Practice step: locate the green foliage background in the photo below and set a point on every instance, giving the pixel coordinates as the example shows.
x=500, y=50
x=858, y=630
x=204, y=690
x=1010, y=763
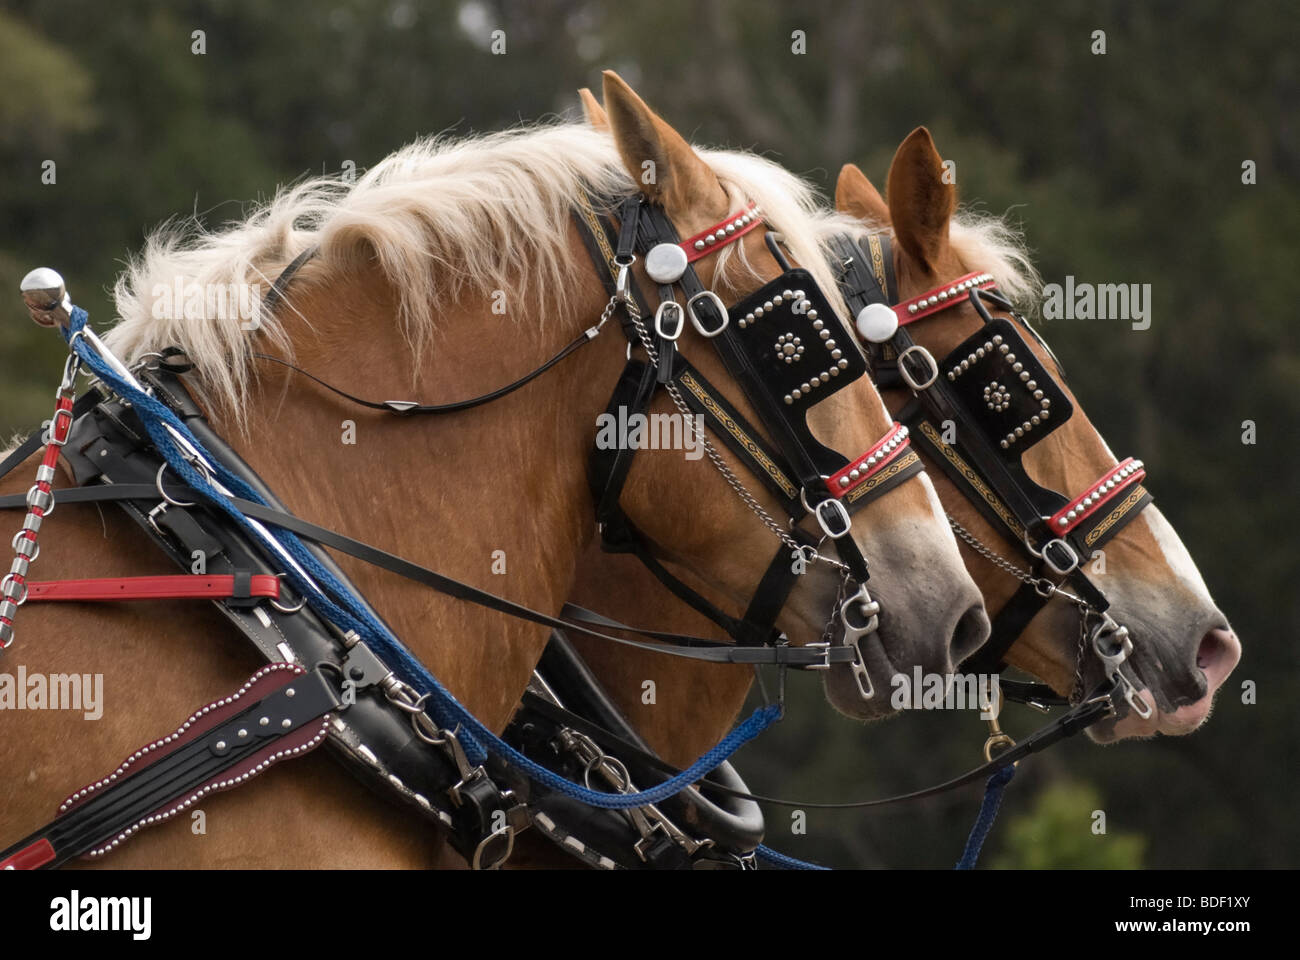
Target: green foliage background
x=1123, y=168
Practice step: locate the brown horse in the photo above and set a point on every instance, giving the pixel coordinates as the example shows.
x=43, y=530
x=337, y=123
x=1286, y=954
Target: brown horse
x=415, y=262
x=1184, y=647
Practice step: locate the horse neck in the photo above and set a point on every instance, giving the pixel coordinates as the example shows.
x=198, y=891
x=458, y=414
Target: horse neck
x=471, y=494
x=680, y=707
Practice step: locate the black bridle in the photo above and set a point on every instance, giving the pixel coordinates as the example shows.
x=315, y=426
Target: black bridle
x=997, y=399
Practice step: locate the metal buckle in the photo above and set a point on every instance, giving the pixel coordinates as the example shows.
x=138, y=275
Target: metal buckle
x=1059, y=543
x=51, y=436
x=1043, y=554
x=665, y=307
x=907, y=374
x=695, y=320
x=837, y=513
x=825, y=647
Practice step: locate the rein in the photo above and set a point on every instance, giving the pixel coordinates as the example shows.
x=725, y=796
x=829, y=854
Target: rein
x=136, y=424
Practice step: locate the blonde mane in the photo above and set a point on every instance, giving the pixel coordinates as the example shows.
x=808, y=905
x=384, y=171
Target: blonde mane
x=446, y=218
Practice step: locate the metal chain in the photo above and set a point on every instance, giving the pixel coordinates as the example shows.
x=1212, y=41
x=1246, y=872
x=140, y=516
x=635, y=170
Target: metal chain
x=1024, y=576
x=806, y=550
x=40, y=504
x=1076, y=693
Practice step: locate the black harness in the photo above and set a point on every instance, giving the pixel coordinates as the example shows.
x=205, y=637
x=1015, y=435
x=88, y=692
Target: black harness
x=975, y=413
x=326, y=683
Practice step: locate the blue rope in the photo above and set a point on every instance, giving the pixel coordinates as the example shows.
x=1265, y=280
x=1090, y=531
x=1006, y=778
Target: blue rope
x=988, y=813
x=779, y=860
x=344, y=609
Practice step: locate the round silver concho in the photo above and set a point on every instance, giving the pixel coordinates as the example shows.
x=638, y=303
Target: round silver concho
x=877, y=322
x=665, y=263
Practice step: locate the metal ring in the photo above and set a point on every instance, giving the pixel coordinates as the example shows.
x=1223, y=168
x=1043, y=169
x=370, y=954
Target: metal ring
x=44, y=500
x=619, y=766
x=36, y=546
x=997, y=740
x=4, y=590
x=163, y=493
x=275, y=602
x=695, y=321
x=906, y=374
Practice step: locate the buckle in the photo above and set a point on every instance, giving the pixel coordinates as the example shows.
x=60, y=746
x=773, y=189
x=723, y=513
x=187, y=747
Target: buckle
x=831, y=515
x=666, y=307
x=695, y=318
x=1060, y=556
x=825, y=647
x=906, y=374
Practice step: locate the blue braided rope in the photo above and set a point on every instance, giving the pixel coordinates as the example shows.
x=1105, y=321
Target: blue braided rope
x=779, y=860
x=988, y=813
x=344, y=609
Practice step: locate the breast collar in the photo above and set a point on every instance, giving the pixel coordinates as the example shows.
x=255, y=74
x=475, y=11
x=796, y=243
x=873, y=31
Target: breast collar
x=997, y=399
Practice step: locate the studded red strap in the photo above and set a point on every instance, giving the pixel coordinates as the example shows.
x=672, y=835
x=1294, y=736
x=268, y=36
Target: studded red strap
x=940, y=298
x=888, y=449
x=721, y=233
x=177, y=587
x=1116, y=479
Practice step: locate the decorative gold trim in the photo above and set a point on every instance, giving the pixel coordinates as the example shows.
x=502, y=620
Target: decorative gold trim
x=973, y=478
x=733, y=428
x=1114, y=516
x=892, y=470
x=598, y=231
x=877, y=261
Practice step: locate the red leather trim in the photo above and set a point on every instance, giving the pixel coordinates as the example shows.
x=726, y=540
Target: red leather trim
x=693, y=254
x=177, y=587
x=29, y=857
x=948, y=295
x=263, y=683
x=843, y=482
x=303, y=740
x=1123, y=476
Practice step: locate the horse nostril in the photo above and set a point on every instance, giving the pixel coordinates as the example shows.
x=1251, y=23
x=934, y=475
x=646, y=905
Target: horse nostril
x=971, y=631
x=1217, y=655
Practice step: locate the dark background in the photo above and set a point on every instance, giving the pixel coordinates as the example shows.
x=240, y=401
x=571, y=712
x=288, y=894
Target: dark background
x=1123, y=168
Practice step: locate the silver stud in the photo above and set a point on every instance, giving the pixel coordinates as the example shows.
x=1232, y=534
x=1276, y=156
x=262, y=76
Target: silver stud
x=699, y=244
x=844, y=481
x=788, y=398
x=854, y=474
x=911, y=308
x=812, y=315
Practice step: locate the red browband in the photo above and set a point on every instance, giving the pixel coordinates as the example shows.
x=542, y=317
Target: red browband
x=870, y=463
x=1118, y=478
x=940, y=298
x=722, y=233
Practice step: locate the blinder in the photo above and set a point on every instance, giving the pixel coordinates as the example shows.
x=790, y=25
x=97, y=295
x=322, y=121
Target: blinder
x=1002, y=400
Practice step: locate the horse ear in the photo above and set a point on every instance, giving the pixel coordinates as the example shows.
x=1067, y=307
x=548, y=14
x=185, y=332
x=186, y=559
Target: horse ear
x=858, y=197
x=592, y=110
x=662, y=164
x=920, y=203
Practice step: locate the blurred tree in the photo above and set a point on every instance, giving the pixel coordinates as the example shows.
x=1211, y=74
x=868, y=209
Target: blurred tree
x=1058, y=835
